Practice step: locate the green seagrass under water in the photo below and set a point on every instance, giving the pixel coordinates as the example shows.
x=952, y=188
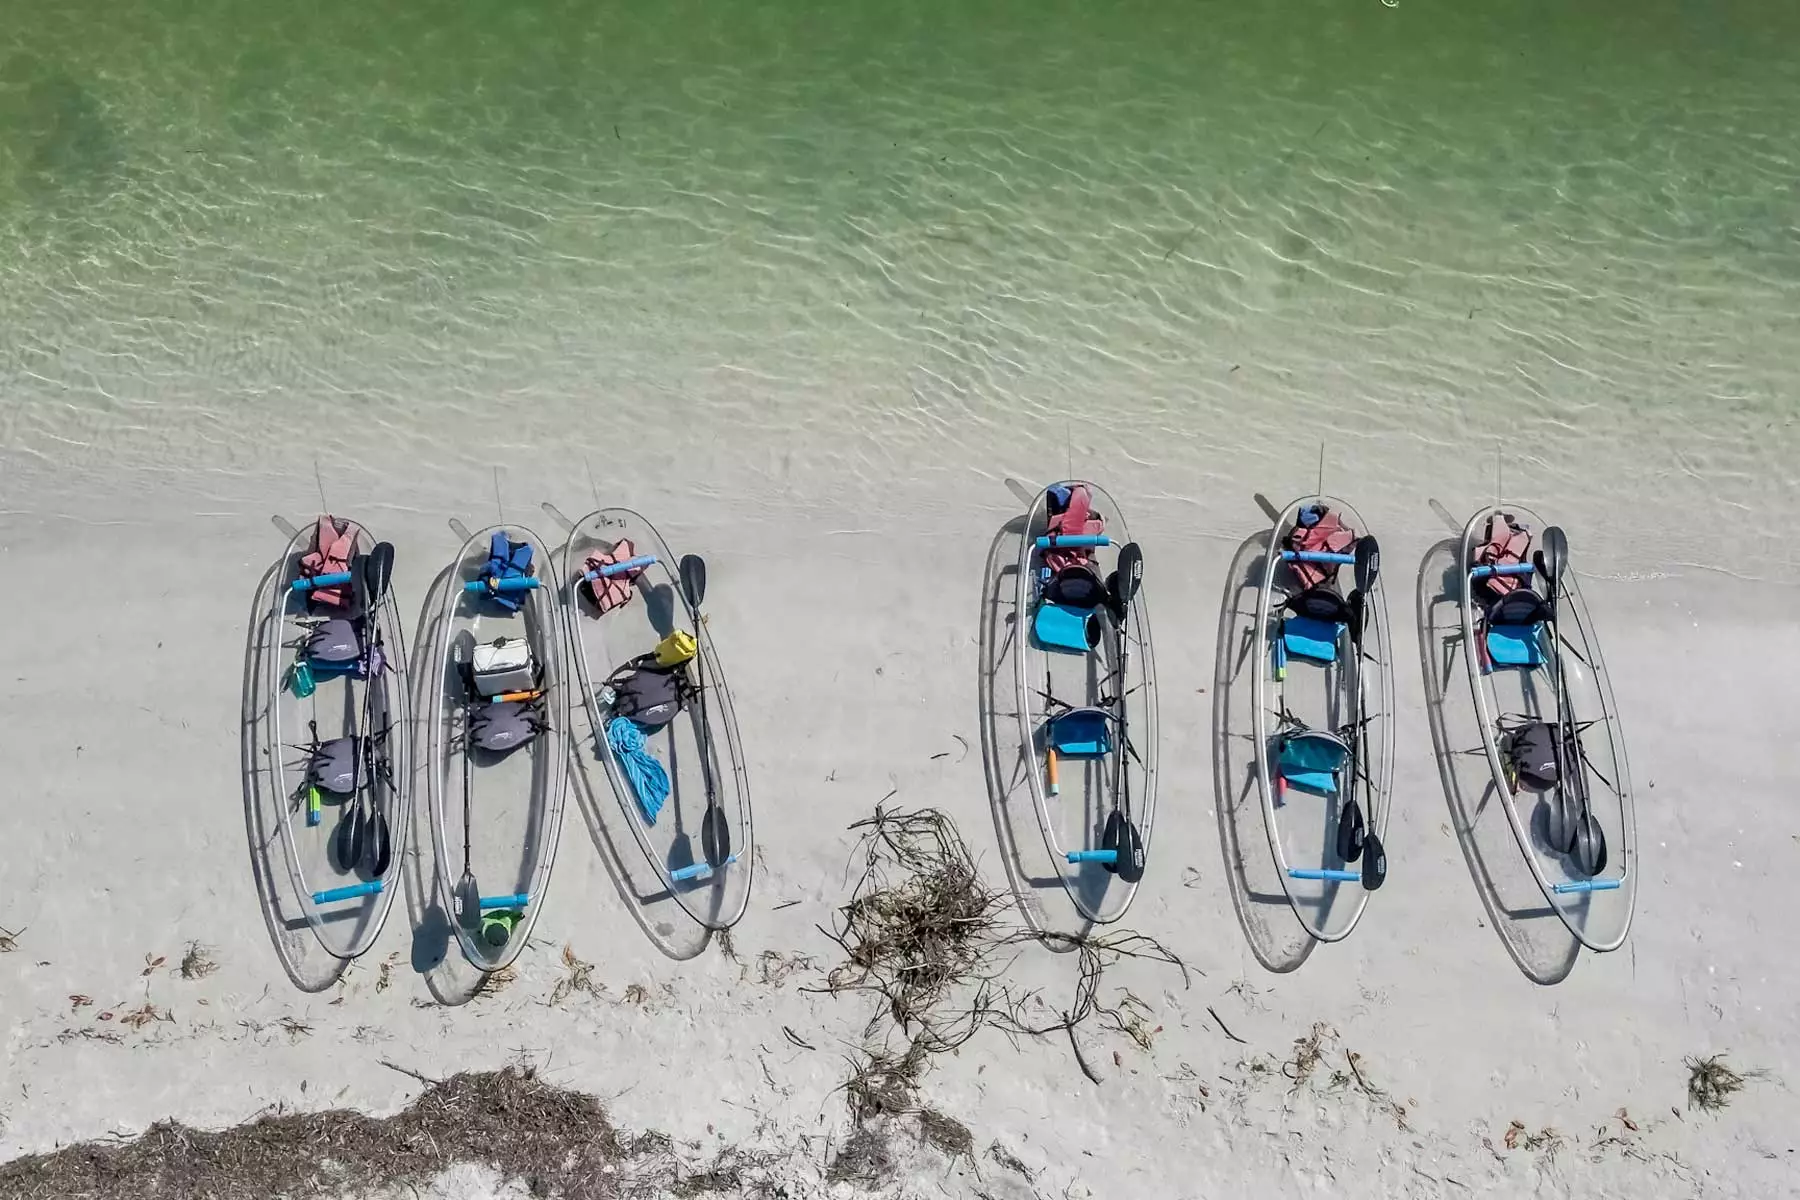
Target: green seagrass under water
x=1204, y=236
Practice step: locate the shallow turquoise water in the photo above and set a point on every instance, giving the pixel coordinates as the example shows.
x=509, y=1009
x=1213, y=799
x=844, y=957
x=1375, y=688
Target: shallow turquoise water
x=803, y=251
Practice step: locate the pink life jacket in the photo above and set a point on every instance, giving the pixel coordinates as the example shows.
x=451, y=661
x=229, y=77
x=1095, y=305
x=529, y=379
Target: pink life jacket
x=610, y=591
x=1327, y=535
x=334, y=544
x=1506, y=544
x=1078, y=518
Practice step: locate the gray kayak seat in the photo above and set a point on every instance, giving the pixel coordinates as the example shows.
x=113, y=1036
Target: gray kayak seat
x=334, y=641
x=332, y=766
x=1532, y=752
x=504, y=727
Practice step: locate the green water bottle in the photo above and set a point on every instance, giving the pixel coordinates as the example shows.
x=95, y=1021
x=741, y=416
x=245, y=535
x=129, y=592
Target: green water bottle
x=497, y=927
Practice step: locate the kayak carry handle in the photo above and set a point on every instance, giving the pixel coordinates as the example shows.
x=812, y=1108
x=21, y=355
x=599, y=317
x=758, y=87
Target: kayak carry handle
x=699, y=870
x=372, y=888
x=1318, y=556
x=309, y=582
x=619, y=568
x=1072, y=541
x=1328, y=875
x=1586, y=885
x=518, y=583
x=1110, y=857
x=1503, y=569
x=518, y=900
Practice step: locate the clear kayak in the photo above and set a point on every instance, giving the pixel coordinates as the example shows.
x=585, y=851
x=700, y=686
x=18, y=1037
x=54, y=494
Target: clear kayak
x=1323, y=703
x=499, y=741
x=1549, y=723
x=1087, y=694
x=659, y=710
x=340, y=714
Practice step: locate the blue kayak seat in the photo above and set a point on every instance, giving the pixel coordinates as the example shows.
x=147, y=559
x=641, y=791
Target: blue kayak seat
x=1308, y=637
x=1081, y=733
x=1515, y=625
x=1059, y=627
x=1515, y=645
x=1310, y=760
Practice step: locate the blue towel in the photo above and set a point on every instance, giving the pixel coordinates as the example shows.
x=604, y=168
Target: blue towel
x=649, y=782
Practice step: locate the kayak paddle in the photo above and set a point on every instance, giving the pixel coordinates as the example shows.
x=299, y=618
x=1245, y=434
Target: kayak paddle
x=693, y=581
x=468, y=892
x=1586, y=840
x=1125, y=580
x=1368, y=562
x=715, y=830
x=373, y=579
x=1374, y=863
x=1351, y=831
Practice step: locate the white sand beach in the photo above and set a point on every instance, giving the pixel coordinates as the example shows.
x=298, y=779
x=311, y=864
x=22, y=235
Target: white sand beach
x=856, y=672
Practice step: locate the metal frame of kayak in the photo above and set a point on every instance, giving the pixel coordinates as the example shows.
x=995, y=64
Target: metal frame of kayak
x=1130, y=747
x=686, y=882
x=326, y=908
x=1572, y=897
x=537, y=611
x=1373, y=663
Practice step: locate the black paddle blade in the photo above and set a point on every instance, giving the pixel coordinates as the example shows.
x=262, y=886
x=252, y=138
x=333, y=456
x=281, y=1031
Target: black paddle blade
x=1374, y=864
x=1358, y=607
x=349, y=836
x=468, y=902
x=377, y=571
x=378, y=845
x=1127, y=578
x=1351, y=832
x=1123, y=838
x=1553, y=559
x=715, y=837
x=1091, y=630
x=1559, y=822
x=1590, y=845
x=1368, y=562
x=693, y=579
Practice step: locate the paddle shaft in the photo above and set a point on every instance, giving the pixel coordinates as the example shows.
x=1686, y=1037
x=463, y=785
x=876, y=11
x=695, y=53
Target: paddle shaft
x=1568, y=734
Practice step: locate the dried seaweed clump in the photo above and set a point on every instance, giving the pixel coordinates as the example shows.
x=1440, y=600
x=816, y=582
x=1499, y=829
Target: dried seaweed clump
x=556, y=1142
x=920, y=920
x=1712, y=1084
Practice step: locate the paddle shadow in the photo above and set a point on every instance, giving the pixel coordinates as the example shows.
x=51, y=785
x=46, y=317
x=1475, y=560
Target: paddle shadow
x=307, y=963
x=1532, y=933
x=450, y=977
x=1004, y=759
x=642, y=890
x=1277, y=939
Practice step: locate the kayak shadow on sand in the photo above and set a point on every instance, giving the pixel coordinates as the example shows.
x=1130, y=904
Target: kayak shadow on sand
x=1532, y=933
x=646, y=896
x=449, y=977
x=307, y=963
x=1035, y=879
x=1275, y=934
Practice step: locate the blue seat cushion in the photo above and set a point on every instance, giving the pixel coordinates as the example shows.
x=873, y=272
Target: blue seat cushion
x=1515, y=645
x=1082, y=733
x=1308, y=637
x=1059, y=627
x=1311, y=761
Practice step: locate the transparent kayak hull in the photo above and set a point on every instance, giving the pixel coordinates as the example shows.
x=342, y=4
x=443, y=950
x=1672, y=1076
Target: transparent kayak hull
x=514, y=800
x=1117, y=676
x=1597, y=909
x=1351, y=696
x=699, y=751
x=343, y=902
